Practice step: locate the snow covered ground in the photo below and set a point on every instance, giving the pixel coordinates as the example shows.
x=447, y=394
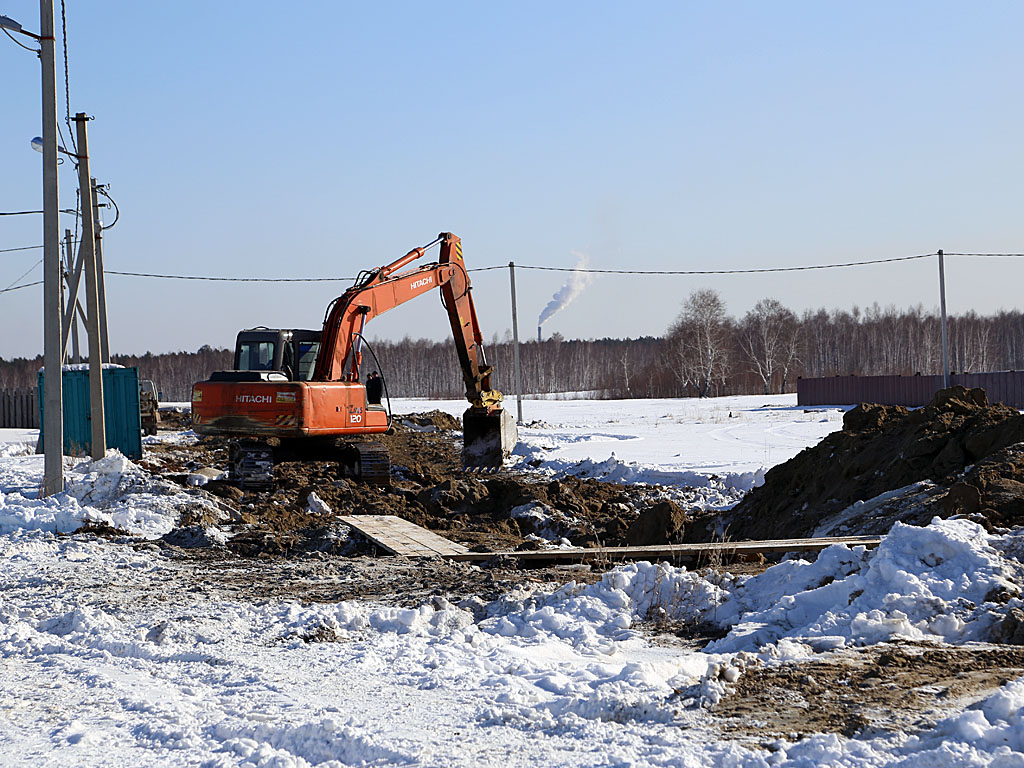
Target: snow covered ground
x=721, y=446
x=115, y=654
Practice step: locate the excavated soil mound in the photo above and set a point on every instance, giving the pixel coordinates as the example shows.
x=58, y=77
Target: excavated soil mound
x=664, y=523
x=506, y=510
x=957, y=455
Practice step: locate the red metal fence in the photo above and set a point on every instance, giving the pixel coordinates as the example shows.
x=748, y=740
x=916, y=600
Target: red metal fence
x=1000, y=386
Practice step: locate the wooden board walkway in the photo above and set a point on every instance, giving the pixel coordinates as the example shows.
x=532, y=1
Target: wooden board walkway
x=400, y=537
x=727, y=550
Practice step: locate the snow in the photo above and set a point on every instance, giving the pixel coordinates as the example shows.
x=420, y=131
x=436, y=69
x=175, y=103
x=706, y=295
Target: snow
x=110, y=491
x=115, y=655
x=716, y=448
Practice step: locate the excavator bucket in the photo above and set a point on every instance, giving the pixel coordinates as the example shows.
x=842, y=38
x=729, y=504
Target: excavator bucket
x=488, y=438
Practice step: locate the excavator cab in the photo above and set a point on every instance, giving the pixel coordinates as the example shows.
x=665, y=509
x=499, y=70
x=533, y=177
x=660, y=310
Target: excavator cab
x=290, y=352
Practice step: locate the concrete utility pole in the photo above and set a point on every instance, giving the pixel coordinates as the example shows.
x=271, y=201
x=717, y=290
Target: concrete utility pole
x=515, y=345
x=71, y=277
x=53, y=354
x=101, y=280
x=942, y=306
x=92, y=293
x=74, y=311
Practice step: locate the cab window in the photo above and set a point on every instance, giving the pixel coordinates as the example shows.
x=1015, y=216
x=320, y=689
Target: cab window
x=256, y=356
x=307, y=359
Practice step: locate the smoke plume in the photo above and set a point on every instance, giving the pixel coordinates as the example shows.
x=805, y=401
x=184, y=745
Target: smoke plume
x=578, y=280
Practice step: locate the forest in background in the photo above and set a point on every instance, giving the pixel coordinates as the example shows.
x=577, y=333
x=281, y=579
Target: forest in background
x=705, y=352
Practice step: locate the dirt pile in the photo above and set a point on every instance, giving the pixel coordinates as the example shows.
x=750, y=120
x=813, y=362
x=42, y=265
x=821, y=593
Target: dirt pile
x=957, y=455
x=664, y=523
x=506, y=510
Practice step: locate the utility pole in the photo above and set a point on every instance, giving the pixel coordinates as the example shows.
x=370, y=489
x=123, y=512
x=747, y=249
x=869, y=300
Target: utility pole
x=515, y=345
x=101, y=280
x=87, y=250
x=71, y=278
x=942, y=306
x=53, y=354
x=74, y=311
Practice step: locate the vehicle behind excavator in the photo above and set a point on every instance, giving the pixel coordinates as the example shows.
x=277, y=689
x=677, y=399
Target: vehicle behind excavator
x=299, y=391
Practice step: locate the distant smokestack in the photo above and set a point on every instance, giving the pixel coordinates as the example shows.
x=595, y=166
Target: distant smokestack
x=538, y=334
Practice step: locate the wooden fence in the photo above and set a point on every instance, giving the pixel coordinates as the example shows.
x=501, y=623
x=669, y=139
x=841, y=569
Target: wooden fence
x=19, y=409
x=1001, y=387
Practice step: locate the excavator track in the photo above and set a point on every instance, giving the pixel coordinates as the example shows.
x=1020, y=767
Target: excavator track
x=252, y=464
x=367, y=462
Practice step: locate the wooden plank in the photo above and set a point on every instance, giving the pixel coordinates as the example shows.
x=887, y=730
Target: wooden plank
x=400, y=537
x=726, y=549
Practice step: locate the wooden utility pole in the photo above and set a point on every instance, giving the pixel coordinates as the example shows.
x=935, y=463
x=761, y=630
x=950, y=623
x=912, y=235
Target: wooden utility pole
x=92, y=294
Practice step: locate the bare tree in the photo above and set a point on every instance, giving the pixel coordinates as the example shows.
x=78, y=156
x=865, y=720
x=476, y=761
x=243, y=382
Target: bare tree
x=700, y=337
x=767, y=335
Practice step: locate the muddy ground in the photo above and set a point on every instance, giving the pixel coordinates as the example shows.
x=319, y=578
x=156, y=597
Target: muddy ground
x=500, y=511
x=895, y=687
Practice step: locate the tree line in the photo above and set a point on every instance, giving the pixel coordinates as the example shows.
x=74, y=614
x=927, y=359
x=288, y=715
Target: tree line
x=704, y=352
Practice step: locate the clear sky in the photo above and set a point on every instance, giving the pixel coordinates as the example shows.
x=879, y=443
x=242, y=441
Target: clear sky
x=318, y=139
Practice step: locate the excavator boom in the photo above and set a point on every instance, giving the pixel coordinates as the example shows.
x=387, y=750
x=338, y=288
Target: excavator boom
x=489, y=432
x=331, y=400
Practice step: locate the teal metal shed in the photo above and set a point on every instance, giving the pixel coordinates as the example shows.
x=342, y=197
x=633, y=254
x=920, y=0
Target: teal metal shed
x=120, y=406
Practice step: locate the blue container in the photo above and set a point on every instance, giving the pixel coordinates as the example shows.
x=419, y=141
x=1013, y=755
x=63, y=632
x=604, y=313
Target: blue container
x=120, y=409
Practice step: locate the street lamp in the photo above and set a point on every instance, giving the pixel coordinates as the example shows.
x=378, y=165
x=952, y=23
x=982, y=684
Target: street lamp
x=53, y=394
x=37, y=145
x=8, y=23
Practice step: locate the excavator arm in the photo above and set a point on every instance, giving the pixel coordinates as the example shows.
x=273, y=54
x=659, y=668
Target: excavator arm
x=385, y=288
x=489, y=432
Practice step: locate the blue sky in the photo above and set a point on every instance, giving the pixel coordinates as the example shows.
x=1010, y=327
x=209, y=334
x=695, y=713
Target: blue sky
x=319, y=139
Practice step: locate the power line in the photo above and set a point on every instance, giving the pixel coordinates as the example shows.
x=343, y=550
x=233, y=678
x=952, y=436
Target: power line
x=26, y=213
x=102, y=189
x=760, y=270
x=23, y=248
x=18, y=42
x=19, y=287
x=67, y=80
x=13, y=287
x=990, y=255
x=235, y=279
x=728, y=271
x=550, y=269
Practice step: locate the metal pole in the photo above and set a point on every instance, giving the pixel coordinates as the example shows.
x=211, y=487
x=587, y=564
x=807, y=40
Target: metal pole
x=101, y=280
x=515, y=345
x=92, y=293
x=942, y=306
x=53, y=384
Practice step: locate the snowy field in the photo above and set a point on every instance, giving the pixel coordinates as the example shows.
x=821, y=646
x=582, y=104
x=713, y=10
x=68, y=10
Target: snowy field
x=672, y=442
x=115, y=655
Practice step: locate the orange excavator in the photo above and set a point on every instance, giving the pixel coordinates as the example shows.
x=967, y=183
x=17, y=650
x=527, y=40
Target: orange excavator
x=300, y=390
